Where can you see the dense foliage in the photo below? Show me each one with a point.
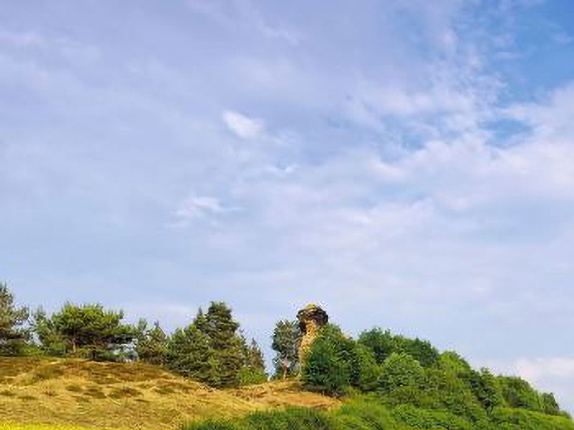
(424, 388)
(390, 381)
(210, 350)
(285, 342)
(13, 334)
(86, 330)
(368, 414)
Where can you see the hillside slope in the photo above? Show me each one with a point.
(128, 395)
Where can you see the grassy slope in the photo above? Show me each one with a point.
(61, 393)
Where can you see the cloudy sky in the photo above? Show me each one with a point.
(407, 164)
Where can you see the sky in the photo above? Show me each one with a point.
(403, 163)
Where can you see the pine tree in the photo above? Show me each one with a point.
(13, 336)
(227, 356)
(188, 353)
(255, 356)
(91, 331)
(51, 342)
(253, 369)
(151, 345)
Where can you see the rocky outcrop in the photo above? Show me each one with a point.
(311, 319)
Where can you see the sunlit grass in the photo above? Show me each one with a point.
(81, 395)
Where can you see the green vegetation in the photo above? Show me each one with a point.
(83, 331)
(210, 350)
(285, 342)
(369, 414)
(13, 336)
(380, 380)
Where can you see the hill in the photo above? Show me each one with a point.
(62, 392)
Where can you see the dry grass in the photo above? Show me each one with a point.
(125, 396)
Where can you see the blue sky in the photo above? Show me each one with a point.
(407, 164)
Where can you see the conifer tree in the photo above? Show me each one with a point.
(188, 353)
(90, 330)
(13, 335)
(227, 355)
(151, 345)
(51, 341)
(253, 370)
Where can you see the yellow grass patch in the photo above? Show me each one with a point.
(70, 394)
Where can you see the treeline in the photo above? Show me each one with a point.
(211, 349)
(424, 388)
(409, 380)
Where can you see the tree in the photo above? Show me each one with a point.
(13, 335)
(328, 364)
(253, 369)
(379, 341)
(422, 350)
(384, 343)
(51, 342)
(485, 388)
(90, 330)
(519, 394)
(364, 368)
(151, 345)
(451, 361)
(220, 327)
(188, 354)
(285, 342)
(549, 404)
(400, 370)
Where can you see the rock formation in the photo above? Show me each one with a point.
(311, 319)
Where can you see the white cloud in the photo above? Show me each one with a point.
(242, 125)
(194, 207)
(537, 369)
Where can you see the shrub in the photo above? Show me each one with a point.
(374, 414)
(328, 364)
(384, 343)
(251, 375)
(519, 394)
(400, 370)
(411, 417)
(451, 361)
(520, 419)
(364, 369)
(486, 388)
(211, 425)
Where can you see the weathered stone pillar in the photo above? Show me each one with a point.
(311, 319)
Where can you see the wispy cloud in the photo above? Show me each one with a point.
(242, 125)
(407, 161)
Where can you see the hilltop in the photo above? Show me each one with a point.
(88, 394)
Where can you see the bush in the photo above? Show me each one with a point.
(444, 390)
(374, 414)
(520, 419)
(400, 370)
(251, 376)
(519, 394)
(451, 361)
(289, 419)
(486, 388)
(212, 425)
(327, 366)
(384, 343)
(411, 417)
(364, 369)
